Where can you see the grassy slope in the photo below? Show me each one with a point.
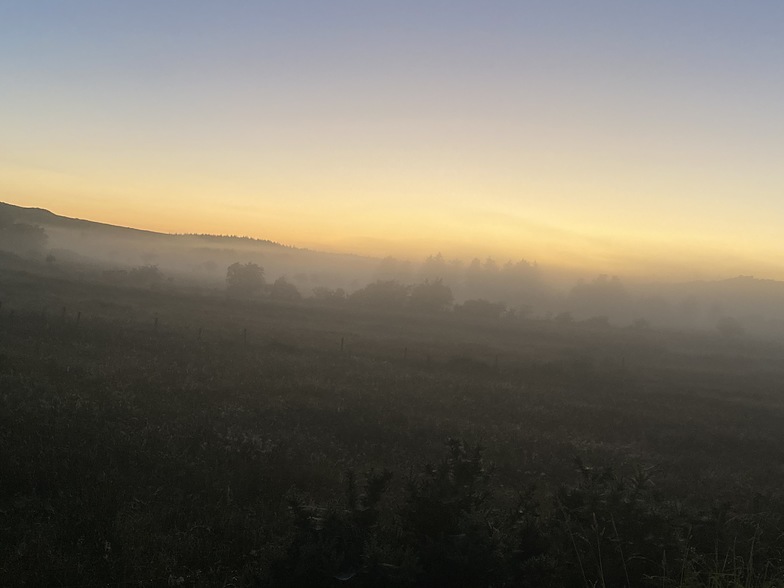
(138, 451)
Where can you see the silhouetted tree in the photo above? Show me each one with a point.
(282, 289)
(513, 283)
(521, 279)
(387, 294)
(431, 296)
(481, 309)
(434, 268)
(473, 278)
(604, 295)
(391, 269)
(490, 266)
(327, 295)
(244, 279)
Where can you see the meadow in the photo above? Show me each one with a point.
(180, 437)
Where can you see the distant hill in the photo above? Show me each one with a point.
(200, 256)
(757, 303)
(46, 218)
(747, 296)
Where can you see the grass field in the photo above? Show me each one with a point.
(179, 437)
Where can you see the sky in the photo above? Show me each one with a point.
(625, 137)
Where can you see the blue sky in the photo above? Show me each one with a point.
(614, 135)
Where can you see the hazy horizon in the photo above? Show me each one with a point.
(68, 241)
(638, 140)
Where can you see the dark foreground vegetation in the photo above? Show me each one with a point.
(154, 438)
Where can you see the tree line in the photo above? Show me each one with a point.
(248, 280)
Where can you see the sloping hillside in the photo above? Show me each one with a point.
(203, 257)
